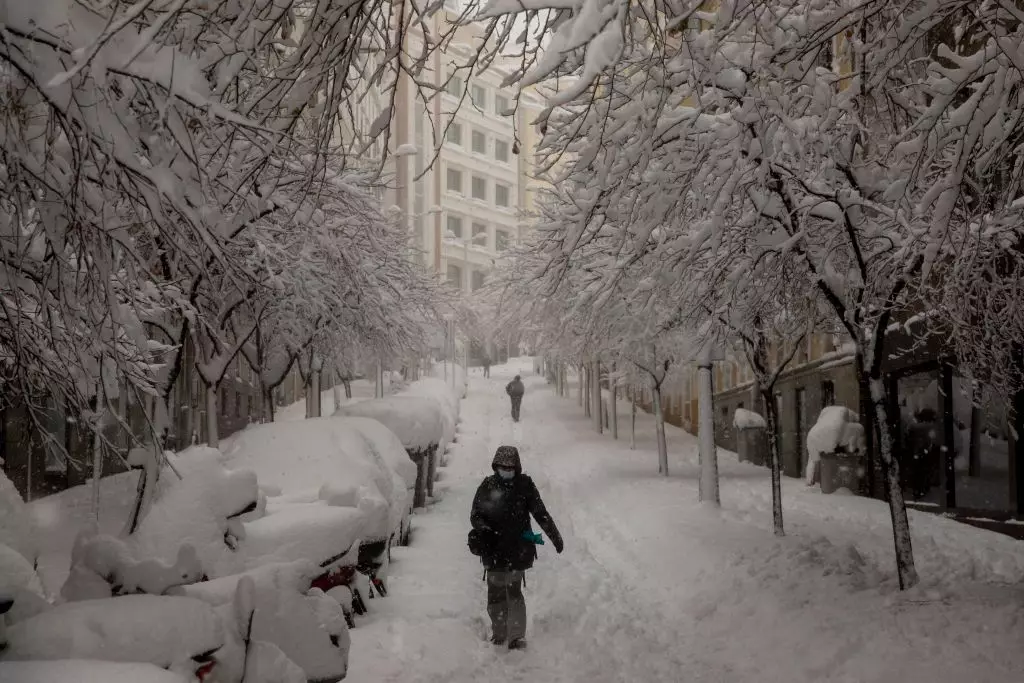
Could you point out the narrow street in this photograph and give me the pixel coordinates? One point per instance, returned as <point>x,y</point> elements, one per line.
<point>590,616</point>
<point>654,587</point>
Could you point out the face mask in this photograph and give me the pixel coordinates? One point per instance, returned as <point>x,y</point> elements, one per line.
<point>506,473</point>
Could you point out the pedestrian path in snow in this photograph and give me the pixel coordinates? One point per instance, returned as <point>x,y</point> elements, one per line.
<point>654,587</point>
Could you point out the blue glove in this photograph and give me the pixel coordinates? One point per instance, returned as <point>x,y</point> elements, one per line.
<point>536,539</point>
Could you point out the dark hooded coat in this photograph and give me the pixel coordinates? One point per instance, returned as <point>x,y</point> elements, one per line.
<point>515,388</point>
<point>502,509</point>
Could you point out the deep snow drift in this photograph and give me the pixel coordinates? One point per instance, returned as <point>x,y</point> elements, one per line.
<point>654,587</point>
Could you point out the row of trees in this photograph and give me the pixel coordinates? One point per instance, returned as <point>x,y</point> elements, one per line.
<point>192,175</point>
<point>749,172</point>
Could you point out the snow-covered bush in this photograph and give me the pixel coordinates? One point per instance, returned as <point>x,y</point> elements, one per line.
<point>17,528</point>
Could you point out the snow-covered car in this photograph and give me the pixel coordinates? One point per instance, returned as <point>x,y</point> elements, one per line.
<point>233,529</point>
<point>417,422</point>
<point>306,625</point>
<point>345,463</point>
<point>79,670</point>
<point>440,391</point>
<point>182,635</point>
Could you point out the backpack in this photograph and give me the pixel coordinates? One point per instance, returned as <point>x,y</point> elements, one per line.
<point>481,542</point>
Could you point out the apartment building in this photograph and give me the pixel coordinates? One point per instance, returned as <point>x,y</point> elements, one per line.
<point>462,159</point>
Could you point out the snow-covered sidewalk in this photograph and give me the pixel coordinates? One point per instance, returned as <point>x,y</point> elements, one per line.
<point>654,587</point>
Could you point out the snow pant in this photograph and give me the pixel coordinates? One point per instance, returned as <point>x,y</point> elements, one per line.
<point>487,371</point>
<point>517,402</point>
<point>506,605</point>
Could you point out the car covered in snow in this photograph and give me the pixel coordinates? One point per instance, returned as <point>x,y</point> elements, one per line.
<point>341,463</point>
<point>182,635</point>
<point>215,523</point>
<point>305,624</point>
<point>419,424</point>
<point>79,670</point>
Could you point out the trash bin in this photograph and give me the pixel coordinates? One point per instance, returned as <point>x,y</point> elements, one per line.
<point>841,470</point>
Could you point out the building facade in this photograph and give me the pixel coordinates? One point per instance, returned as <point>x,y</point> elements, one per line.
<point>461,159</point>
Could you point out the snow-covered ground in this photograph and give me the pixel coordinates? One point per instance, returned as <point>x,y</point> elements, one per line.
<point>654,587</point>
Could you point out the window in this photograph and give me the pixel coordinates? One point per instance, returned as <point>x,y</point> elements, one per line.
<point>479,229</point>
<point>454,180</point>
<point>479,96</point>
<point>454,86</point>
<point>479,188</point>
<point>479,142</point>
<point>242,404</point>
<point>477,280</point>
<point>501,150</point>
<point>501,240</point>
<point>455,225</point>
<point>455,275</point>
<point>502,195</point>
<point>501,105</point>
<point>454,135</point>
<point>828,393</point>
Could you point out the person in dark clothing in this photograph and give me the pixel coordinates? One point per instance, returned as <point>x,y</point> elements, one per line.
<point>501,512</point>
<point>487,366</point>
<point>515,390</point>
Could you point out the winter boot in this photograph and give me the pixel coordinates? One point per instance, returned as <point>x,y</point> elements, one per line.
<point>517,644</point>
<point>495,640</point>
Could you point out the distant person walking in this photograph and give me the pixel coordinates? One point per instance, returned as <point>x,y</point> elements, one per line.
<point>487,366</point>
<point>515,390</point>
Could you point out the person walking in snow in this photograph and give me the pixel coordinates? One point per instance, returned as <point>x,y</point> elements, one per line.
<point>507,546</point>
<point>515,390</point>
<point>487,365</point>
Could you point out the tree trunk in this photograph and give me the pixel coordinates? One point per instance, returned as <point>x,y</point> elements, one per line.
<point>588,388</point>
<point>267,409</point>
<point>313,400</point>
<point>632,434</point>
<point>897,506</point>
<point>97,451</point>
<point>974,466</point>
<point>580,376</point>
<point>337,395</point>
<point>774,459</point>
<point>348,387</point>
<point>706,439</point>
<point>596,393</point>
<point>212,433</point>
<point>659,429</point>
<point>614,407</point>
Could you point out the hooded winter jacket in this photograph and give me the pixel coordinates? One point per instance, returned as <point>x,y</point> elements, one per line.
<point>515,389</point>
<point>503,507</point>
